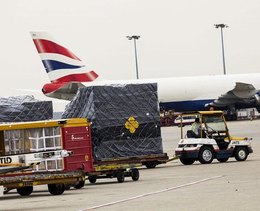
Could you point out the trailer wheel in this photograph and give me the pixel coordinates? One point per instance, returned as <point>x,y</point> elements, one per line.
<point>135,174</point>
<point>67,187</point>
<point>56,189</point>
<point>6,191</point>
<point>25,191</point>
<point>80,185</point>
<point>205,155</point>
<point>151,165</point>
<point>92,179</point>
<point>187,161</point>
<point>120,176</point>
<point>222,160</point>
<point>241,154</point>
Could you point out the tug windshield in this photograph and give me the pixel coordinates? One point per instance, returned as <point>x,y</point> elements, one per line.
<point>215,124</point>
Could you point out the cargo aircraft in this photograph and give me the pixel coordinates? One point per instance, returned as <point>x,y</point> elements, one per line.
<point>67,73</point>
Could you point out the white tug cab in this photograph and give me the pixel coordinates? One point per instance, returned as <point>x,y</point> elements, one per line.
<point>213,141</point>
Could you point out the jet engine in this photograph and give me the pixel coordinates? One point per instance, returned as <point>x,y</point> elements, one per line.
<point>256,99</point>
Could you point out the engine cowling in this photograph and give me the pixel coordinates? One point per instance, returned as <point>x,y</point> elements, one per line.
<point>256,99</point>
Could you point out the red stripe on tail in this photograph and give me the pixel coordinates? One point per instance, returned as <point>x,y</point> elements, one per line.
<point>46,46</point>
<point>81,77</point>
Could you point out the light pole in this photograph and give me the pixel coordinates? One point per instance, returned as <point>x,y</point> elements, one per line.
<point>135,37</point>
<point>221,26</point>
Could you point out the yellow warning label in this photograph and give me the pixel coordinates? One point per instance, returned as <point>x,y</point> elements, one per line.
<point>131,124</point>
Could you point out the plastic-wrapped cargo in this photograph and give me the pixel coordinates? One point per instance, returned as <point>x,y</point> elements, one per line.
<point>24,108</point>
<point>124,119</point>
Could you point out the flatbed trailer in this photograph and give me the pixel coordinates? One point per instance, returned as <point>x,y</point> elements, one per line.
<point>119,171</point>
<point>121,167</point>
<point>55,181</point>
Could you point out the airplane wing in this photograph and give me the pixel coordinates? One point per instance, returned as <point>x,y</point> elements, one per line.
<point>242,94</point>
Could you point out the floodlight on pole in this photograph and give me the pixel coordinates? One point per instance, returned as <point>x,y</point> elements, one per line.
<point>135,37</point>
<point>221,26</point>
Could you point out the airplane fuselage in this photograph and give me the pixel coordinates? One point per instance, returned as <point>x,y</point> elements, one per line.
<point>186,93</point>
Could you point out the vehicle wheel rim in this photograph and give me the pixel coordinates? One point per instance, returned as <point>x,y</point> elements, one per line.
<point>207,155</point>
<point>242,154</point>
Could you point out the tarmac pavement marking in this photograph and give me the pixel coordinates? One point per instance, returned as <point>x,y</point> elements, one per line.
<point>152,193</point>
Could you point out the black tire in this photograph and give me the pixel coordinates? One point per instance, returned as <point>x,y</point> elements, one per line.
<point>150,165</point>
<point>80,185</point>
<point>206,155</point>
<point>135,174</point>
<point>241,154</point>
<point>227,117</point>
<point>234,117</point>
<point>25,191</point>
<point>187,161</point>
<point>67,186</point>
<point>120,176</point>
<point>92,180</point>
<point>6,191</point>
<point>222,160</point>
<point>56,189</point>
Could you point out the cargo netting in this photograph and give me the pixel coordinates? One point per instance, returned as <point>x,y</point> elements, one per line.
<point>24,108</point>
<point>124,119</point>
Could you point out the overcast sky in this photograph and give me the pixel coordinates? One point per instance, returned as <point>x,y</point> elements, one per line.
<point>178,38</point>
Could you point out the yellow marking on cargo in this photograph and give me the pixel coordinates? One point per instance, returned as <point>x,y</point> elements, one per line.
<point>131,124</point>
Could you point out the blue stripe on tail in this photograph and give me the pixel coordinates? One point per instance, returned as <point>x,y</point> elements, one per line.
<point>51,65</point>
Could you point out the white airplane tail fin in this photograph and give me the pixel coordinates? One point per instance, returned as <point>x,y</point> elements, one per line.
<point>61,65</point>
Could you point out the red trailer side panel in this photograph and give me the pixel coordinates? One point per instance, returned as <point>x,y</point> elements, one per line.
<point>78,140</point>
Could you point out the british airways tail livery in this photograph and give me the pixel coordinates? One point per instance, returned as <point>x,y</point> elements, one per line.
<point>65,70</point>
<point>226,92</point>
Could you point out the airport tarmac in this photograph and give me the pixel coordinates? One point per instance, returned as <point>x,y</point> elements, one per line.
<point>218,186</point>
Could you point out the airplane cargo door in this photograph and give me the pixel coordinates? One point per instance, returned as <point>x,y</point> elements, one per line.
<point>78,140</point>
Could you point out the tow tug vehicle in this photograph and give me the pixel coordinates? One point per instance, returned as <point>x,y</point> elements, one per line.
<point>214,141</point>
